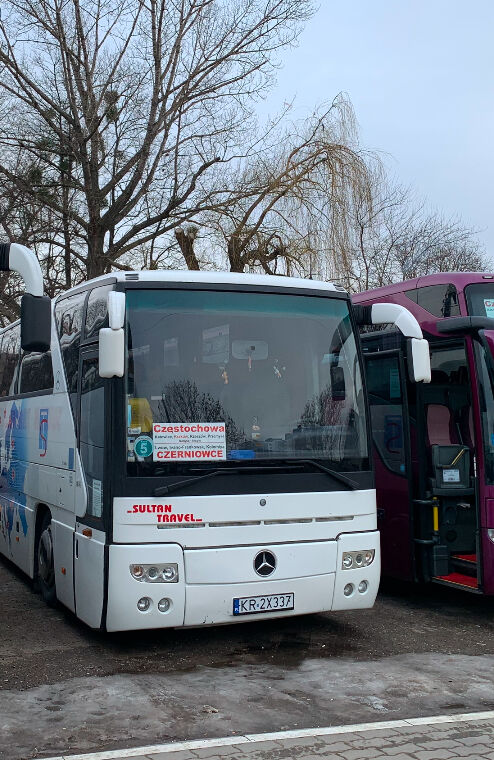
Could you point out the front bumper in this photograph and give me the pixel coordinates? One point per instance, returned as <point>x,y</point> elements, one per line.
<point>209,580</point>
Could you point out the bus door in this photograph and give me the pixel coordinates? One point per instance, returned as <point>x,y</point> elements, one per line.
<point>386,385</point>
<point>448,525</point>
<point>89,546</point>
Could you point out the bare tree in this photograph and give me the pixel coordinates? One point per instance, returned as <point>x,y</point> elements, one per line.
<point>285,196</point>
<point>124,112</point>
<point>394,238</point>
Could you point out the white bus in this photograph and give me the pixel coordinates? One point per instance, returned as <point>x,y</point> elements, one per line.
<point>189,448</point>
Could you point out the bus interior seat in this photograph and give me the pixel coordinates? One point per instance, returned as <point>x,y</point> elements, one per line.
<point>440,426</point>
<point>141,415</point>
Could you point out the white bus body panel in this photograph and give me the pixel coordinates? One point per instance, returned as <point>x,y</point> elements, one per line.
<point>37,461</point>
<point>199,521</point>
<point>213,566</point>
<point>211,603</point>
<point>306,532</point>
<point>39,465</point>
<point>89,573</point>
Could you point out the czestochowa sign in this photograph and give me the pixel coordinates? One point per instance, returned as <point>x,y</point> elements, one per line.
<point>203,441</point>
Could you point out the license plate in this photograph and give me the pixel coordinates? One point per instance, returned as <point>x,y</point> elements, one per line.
<point>251,605</point>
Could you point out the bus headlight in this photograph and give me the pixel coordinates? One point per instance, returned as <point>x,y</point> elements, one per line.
<point>144,604</point>
<point>155,573</point>
<point>355,560</point>
<point>137,572</point>
<point>170,573</point>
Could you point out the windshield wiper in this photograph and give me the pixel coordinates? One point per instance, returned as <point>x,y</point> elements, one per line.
<point>296,465</point>
<point>162,490</point>
<point>349,482</point>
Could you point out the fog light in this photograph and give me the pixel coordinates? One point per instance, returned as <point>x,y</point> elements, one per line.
<point>137,571</point>
<point>164,605</point>
<point>170,573</point>
<point>348,590</point>
<point>152,573</point>
<point>144,604</point>
<point>362,587</point>
<point>347,561</point>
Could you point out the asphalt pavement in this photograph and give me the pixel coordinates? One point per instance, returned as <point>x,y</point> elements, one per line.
<point>65,689</point>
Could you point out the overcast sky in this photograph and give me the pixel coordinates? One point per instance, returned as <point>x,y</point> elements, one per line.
<point>420,74</point>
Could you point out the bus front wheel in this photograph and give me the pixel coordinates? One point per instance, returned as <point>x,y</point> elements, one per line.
<point>45,566</point>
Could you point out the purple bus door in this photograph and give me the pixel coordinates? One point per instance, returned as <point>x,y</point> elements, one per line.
<point>386,386</point>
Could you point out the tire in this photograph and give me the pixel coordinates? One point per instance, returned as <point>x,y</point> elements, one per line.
<point>44,562</point>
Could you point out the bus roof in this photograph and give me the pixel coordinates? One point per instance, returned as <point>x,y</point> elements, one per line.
<point>209,277</point>
<point>459,279</point>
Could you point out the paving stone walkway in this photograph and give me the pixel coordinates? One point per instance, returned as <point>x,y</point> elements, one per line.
<point>441,741</point>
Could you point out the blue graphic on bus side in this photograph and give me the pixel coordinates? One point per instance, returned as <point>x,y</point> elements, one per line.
<point>13,474</point>
<point>43,432</point>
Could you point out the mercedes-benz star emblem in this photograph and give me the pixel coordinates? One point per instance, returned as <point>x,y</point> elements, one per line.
<point>264,563</point>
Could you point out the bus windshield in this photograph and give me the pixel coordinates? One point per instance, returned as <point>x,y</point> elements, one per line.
<point>480,299</point>
<point>241,376</point>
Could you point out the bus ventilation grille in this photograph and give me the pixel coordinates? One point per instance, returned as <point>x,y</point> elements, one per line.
<point>132,276</point>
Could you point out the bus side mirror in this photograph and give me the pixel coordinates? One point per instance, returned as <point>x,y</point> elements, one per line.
<point>338,390</point>
<point>419,360</point>
<point>111,352</point>
<point>112,339</point>
<point>35,323</point>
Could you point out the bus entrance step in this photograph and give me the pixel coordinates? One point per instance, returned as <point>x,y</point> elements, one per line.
<point>465,563</point>
<point>458,580</point>
<point>471,558</point>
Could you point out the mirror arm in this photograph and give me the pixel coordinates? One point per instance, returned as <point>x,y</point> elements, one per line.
<point>17,258</point>
<point>389,313</point>
<point>395,314</point>
<point>36,314</point>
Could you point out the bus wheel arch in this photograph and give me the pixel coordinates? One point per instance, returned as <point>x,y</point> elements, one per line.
<point>44,566</point>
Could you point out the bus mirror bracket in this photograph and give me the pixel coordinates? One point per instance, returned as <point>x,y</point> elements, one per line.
<point>116,309</point>
<point>112,339</point>
<point>35,307</point>
<point>419,361</point>
<point>464,324</point>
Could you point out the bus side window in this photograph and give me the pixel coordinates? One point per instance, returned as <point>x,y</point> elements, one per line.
<point>36,373</point>
<point>68,314</point>
<point>92,426</point>
<point>440,300</point>
<point>97,311</point>
<point>9,360</point>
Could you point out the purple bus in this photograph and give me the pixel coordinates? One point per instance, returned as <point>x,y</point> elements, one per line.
<point>434,443</point>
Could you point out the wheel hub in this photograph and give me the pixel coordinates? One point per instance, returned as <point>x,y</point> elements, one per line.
<point>45,557</point>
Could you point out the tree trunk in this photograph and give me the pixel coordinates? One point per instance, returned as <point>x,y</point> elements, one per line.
<point>97,262</point>
<point>186,240</point>
<point>234,254</point>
